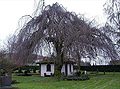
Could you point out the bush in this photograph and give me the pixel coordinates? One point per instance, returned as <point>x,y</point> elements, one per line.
<point>78,73</point>
<point>20,70</point>
<point>84,77</point>
<point>34,70</point>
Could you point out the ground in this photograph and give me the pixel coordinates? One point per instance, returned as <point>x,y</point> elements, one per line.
<point>100,81</point>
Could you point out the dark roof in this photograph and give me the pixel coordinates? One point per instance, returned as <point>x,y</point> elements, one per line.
<point>52,62</point>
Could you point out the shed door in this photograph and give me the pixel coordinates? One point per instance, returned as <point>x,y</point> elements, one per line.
<point>66,72</point>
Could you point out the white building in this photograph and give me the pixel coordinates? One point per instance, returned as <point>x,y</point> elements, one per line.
<point>47,68</point>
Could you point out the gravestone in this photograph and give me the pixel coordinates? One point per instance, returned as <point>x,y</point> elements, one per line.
<point>5,81</point>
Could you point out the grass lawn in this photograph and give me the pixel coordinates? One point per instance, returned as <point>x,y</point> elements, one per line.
<point>108,81</point>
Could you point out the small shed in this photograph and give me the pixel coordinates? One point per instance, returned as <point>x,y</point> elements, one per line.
<point>47,68</point>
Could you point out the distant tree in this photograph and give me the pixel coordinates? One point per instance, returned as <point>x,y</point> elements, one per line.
<point>112,9</point>
<point>66,34</point>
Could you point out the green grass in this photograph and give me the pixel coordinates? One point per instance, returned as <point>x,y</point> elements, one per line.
<point>108,81</point>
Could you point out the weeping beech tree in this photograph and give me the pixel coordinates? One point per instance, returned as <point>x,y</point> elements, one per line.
<point>66,33</point>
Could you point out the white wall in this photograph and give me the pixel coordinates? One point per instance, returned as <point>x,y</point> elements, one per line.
<point>44,69</point>
<point>63,69</point>
<point>68,69</point>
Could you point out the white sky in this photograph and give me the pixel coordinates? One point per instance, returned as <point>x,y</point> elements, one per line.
<point>12,10</point>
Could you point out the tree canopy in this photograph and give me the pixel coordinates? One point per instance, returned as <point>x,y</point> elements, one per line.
<point>112,9</point>
<point>67,34</point>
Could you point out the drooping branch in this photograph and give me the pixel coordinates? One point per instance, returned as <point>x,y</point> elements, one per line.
<point>66,32</point>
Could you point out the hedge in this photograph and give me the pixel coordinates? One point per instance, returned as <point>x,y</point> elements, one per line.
<point>102,68</point>
<point>28,68</point>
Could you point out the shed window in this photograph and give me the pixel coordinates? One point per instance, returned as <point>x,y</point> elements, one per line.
<point>48,67</point>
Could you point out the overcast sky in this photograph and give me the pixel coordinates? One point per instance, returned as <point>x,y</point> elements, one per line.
<point>12,10</point>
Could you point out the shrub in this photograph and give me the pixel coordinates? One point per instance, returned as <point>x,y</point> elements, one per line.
<point>34,70</point>
<point>20,70</point>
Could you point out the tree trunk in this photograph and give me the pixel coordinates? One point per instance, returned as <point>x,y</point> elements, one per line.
<point>79,60</point>
<point>58,60</point>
